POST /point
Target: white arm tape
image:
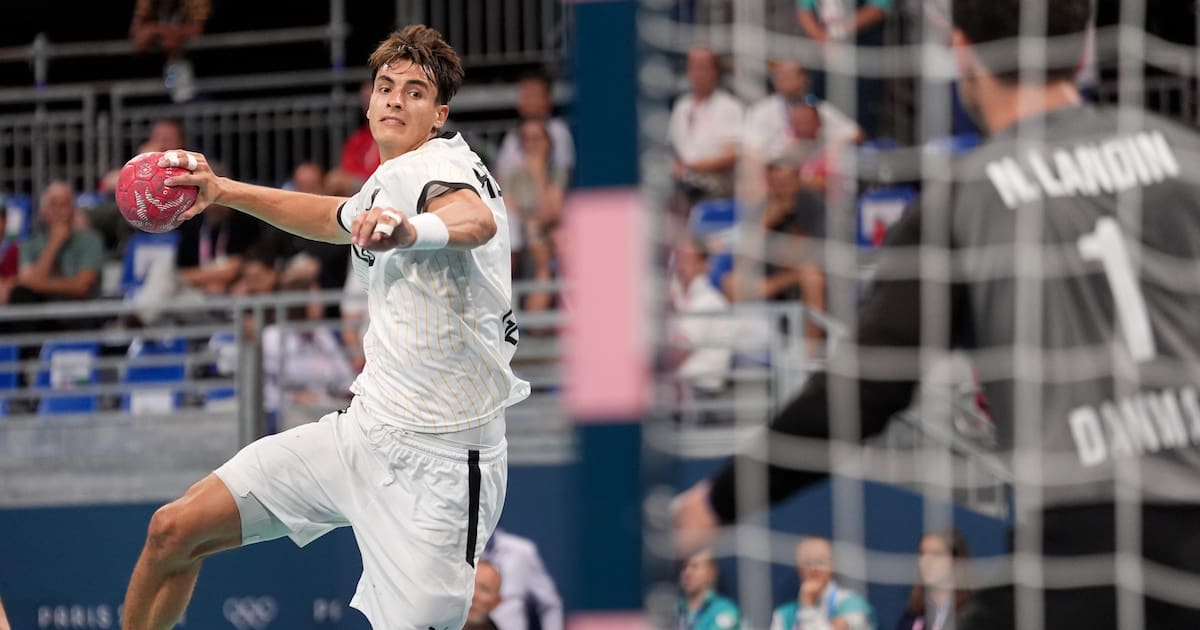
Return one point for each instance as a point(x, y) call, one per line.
point(431, 232)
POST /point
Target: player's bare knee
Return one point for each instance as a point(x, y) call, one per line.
point(171, 536)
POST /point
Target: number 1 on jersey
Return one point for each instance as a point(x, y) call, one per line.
point(1107, 246)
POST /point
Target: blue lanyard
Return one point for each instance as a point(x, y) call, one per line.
point(830, 602)
point(684, 623)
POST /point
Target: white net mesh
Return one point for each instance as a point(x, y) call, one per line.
point(763, 255)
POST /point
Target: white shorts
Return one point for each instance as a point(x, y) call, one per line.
point(422, 509)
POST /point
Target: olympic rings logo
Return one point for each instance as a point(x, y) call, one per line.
point(251, 613)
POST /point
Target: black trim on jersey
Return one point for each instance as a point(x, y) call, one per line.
point(889, 317)
point(473, 481)
point(338, 215)
point(447, 135)
point(423, 199)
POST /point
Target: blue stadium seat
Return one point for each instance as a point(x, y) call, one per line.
point(156, 400)
point(64, 366)
point(713, 216)
point(8, 374)
point(879, 210)
point(142, 251)
point(20, 214)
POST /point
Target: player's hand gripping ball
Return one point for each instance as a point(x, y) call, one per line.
point(145, 201)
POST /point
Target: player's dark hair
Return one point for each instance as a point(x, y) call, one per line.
point(425, 47)
point(986, 21)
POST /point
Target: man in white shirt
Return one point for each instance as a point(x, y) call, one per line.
point(418, 463)
point(705, 130)
point(535, 101)
point(702, 328)
point(526, 583)
point(768, 126)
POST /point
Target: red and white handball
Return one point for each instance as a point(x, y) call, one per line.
point(145, 201)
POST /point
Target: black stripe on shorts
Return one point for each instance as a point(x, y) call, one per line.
point(473, 481)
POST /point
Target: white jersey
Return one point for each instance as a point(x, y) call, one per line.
point(441, 330)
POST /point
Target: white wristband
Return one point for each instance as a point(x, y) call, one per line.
point(431, 232)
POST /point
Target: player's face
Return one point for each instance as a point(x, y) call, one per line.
point(404, 112)
point(698, 575)
point(935, 562)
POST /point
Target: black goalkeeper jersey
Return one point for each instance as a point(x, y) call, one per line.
point(1064, 255)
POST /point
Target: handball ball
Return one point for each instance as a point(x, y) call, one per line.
point(145, 201)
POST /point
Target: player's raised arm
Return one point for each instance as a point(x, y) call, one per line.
point(311, 216)
point(457, 219)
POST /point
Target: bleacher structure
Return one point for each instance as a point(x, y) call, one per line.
point(115, 412)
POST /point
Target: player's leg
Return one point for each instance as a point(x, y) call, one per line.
point(202, 522)
point(426, 525)
point(280, 485)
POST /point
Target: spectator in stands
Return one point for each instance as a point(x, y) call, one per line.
point(332, 260)
point(701, 328)
point(701, 608)
point(166, 134)
point(360, 154)
point(941, 590)
point(527, 588)
point(782, 239)
point(305, 369)
point(209, 260)
point(354, 319)
point(769, 124)
point(61, 262)
point(768, 118)
point(487, 596)
point(822, 603)
point(533, 194)
point(859, 23)
point(704, 131)
point(546, 262)
point(166, 26)
point(10, 260)
point(535, 102)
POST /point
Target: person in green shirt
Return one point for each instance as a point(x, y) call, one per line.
point(701, 608)
point(61, 262)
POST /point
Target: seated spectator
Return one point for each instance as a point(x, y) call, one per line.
point(61, 262)
point(332, 260)
point(208, 261)
point(704, 132)
point(533, 194)
point(769, 120)
point(306, 372)
point(166, 134)
point(360, 154)
point(701, 608)
point(940, 591)
point(527, 585)
point(822, 603)
point(166, 26)
point(858, 23)
point(10, 260)
point(783, 236)
point(486, 598)
point(354, 319)
point(546, 263)
point(535, 102)
point(703, 353)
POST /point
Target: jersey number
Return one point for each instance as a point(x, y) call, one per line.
point(1107, 246)
point(486, 182)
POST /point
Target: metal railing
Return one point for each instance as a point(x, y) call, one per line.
point(103, 422)
point(498, 31)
